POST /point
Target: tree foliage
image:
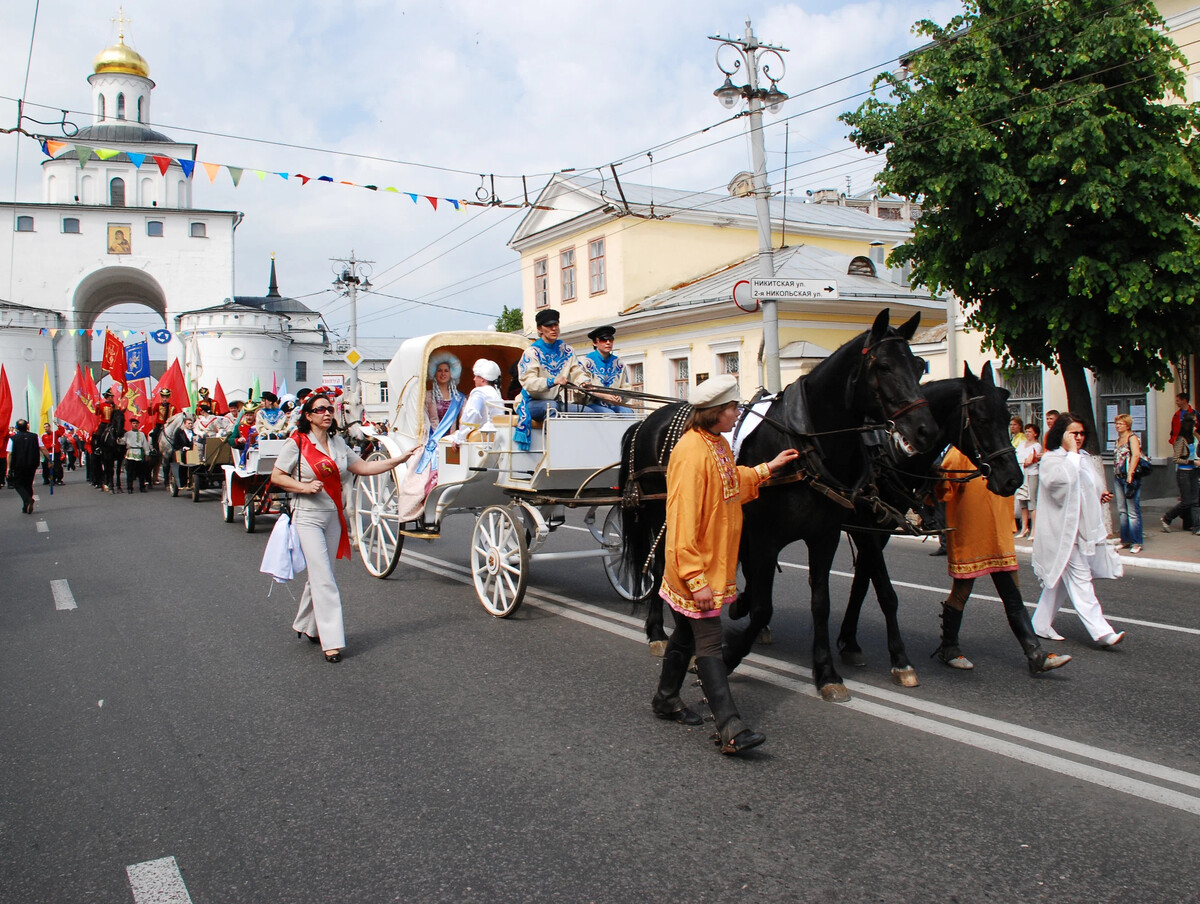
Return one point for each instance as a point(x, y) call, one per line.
point(1060, 181)
point(510, 320)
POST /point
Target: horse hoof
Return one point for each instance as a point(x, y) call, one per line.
point(835, 693)
point(905, 677)
point(854, 658)
point(765, 636)
point(658, 648)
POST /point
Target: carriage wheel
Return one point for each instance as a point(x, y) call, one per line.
point(248, 515)
point(499, 560)
point(195, 488)
point(377, 521)
point(227, 512)
point(173, 483)
point(630, 583)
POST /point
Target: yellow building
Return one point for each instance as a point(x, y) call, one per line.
point(661, 265)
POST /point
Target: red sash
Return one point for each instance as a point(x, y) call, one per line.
point(327, 472)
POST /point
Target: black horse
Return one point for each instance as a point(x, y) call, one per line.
point(972, 414)
point(872, 378)
point(109, 450)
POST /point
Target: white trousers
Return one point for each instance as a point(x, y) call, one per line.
point(321, 603)
point(1076, 582)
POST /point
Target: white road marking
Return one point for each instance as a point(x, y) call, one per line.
point(907, 710)
point(63, 598)
point(158, 882)
point(43, 527)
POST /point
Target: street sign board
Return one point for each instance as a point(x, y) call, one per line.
point(743, 298)
point(793, 289)
point(353, 357)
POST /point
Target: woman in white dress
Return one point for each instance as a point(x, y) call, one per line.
point(483, 402)
point(1069, 540)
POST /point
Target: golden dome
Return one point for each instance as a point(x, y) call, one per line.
point(120, 58)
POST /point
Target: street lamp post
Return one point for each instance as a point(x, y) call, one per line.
point(349, 282)
point(749, 52)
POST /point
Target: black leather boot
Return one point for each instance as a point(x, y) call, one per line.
point(733, 735)
point(666, 703)
point(1022, 628)
point(948, 651)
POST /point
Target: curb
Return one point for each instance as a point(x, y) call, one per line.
point(1149, 563)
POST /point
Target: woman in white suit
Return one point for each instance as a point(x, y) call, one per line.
point(1071, 534)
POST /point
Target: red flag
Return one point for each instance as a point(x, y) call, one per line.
point(6, 406)
point(137, 403)
point(114, 357)
point(91, 392)
point(164, 163)
point(220, 406)
point(174, 381)
point(76, 408)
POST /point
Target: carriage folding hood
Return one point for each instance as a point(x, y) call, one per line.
point(407, 372)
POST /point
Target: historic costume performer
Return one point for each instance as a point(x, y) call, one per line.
point(315, 466)
point(705, 493)
point(270, 421)
point(107, 408)
point(445, 370)
point(605, 370)
point(1066, 548)
point(547, 366)
point(483, 402)
point(23, 459)
point(980, 542)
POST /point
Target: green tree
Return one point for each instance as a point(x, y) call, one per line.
point(1060, 182)
point(510, 320)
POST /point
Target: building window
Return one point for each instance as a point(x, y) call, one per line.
point(154, 227)
point(597, 279)
point(301, 371)
point(1024, 387)
point(727, 363)
point(541, 282)
point(1115, 395)
point(116, 193)
point(383, 393)
point(566, 261)
point(198, 231)
point(100, 107)
point(71, 225)
point(679, 367)
point(120, 106)
point(24, 224)
point(140, 119)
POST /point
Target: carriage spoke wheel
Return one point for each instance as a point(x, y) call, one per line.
point(499, 560)
point(248, 514)
point(630, 583)
point(377, 521)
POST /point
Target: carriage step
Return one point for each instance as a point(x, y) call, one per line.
point(431, 534)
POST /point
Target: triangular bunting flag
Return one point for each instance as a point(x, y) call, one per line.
point(411, 195)
point(187, 166)
point(106, 153)
point(53, 148)
point(262, 174)
point(392, 188)
point(324, 178)
point(304, 180)
point(164, 163)
point(84, 153)
point(282, 175)
point(371, 187)
point(136, 159)
point(344, 182)
point(212, 169)
point(432, 201)
point(235, 173)
point(455, 203)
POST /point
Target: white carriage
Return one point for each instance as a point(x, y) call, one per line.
point(248, 484)
point(518, 496)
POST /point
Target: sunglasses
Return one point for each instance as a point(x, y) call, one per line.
point(320, 409)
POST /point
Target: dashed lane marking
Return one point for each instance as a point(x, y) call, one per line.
point(43, 527)
point(63, 598)
point(1137, 777)
point(157, 882)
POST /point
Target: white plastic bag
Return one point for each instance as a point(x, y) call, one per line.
point(283, 559)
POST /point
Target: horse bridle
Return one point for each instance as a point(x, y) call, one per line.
point(967, 426)
point(866, 365)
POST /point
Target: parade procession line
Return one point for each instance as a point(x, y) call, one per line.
point(1137, 777)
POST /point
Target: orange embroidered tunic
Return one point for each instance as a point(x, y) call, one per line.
point(981, 541)
point(705, 492)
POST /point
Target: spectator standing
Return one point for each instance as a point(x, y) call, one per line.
point(1187, 478)
point(1029, 453)
point(1182, 407)
point(23, 458)
point(1128, 484)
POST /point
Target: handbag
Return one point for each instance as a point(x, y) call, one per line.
point(1144, 467)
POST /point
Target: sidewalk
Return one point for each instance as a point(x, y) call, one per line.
point(1177, 551)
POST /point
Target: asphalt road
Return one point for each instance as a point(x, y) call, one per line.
point(457, 757)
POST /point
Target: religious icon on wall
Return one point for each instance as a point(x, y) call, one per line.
point(118, 239)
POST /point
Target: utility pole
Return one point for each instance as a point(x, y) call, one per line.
point(352, 276)
point(749, 52)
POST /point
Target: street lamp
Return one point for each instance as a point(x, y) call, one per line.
point(349, 283)
point(757, 57)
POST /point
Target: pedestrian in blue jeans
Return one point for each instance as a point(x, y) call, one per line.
point(1128, 489)
point(1186, 476)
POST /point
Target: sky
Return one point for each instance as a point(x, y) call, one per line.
point(432, 97)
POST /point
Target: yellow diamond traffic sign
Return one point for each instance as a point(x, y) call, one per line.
point(353, 357)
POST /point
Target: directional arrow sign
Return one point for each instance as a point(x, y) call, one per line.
point(793, 289)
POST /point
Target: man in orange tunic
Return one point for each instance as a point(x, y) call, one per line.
point(705, 492)
point(980, 542)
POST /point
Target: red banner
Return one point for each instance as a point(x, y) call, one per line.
point(113, 361)
point(76, 408)
point(137, 403)
point(220, 405)
point(6, 408)
point(174, 381)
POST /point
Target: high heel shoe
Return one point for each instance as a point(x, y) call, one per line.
point(333, 655)
point(300, 635)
